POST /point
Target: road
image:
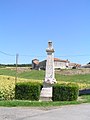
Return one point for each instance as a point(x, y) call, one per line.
point(71, 112)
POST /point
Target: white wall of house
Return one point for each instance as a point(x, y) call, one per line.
point(58, 64)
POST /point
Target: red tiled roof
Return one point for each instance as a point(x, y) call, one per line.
point(74, 64)
point(59, 60)
point(56, 59)
point(36, 62)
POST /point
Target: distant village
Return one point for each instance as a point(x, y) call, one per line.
point(41, 65)
point(58, 64)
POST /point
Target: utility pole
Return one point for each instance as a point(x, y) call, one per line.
point(16, 68)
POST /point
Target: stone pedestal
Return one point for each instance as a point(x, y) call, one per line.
point(46, 92)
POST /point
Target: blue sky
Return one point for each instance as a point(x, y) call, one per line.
point(26, 26)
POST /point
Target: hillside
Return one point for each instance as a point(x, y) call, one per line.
point(73, 71)
point(74, 75)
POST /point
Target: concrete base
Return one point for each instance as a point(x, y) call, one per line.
point(46, 94)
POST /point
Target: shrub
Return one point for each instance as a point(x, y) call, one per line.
point(1, 95)
point(27, 91)
point(65, 92)
point(7, 93)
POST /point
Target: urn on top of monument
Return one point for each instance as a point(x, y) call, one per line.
point(50, 47)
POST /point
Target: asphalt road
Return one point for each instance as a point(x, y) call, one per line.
point(71, 112)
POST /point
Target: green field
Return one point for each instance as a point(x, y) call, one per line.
point(40, 75)
point(7, 72)
point(84, 78)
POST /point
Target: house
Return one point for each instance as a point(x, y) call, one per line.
point(86, 66)
point(61, 64)
point(74, 65)
point(58, 64)
point(35, 64)
point(42, 65)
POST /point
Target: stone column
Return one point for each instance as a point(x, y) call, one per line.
point(46, 92)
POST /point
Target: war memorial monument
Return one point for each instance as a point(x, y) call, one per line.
point(46, 92)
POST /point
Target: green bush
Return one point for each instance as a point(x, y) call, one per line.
point(27, 91)
point(65, 92)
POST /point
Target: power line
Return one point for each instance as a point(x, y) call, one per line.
point(32, 55)
point(56, 55)
point(79, 55)
point(6, 53)
point(74, 55)
point(20, 55)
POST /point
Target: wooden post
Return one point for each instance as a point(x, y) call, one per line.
point(16, 68)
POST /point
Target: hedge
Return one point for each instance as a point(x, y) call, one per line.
point(61, 92)
point(27, 91)
point(65, 92)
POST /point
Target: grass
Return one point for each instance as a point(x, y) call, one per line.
point(85, 98)
point(36, 75)
point(26, 103)
point(8, 72)
point(40, 75)
point(84, 78)
point(15, 103)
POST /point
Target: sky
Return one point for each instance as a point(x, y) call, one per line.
point(26, 26)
